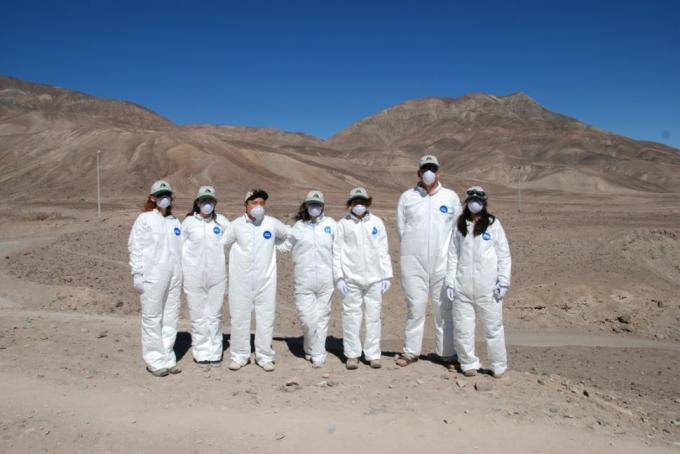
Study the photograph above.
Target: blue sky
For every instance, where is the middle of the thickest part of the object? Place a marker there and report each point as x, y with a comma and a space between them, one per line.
318, 66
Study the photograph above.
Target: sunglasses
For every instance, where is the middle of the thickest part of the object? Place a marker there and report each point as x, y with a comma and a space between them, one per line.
476, 193
430, 167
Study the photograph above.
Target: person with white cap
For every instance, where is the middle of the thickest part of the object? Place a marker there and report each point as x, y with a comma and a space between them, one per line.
155, 248
426, 214
311, 242
205, 275
477, 279
362, 270
252, 283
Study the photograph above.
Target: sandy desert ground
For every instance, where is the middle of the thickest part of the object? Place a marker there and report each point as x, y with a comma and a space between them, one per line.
593, 325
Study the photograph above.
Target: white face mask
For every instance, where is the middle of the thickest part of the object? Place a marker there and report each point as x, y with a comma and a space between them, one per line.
314, 211
359, 210
207, 209
257, 212
429, 177
163, 202
475, 207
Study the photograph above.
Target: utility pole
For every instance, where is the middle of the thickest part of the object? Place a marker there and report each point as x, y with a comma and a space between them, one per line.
519, 189
99, 193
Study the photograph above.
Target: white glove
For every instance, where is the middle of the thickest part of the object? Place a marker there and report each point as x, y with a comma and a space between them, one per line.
451, 293
385, 285
500, 292
138, 283
341, 285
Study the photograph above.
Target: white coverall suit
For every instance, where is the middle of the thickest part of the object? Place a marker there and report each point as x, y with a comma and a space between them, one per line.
205, 281
252, 285
424, 224
477, 264
155, 247
361, 257
312, 246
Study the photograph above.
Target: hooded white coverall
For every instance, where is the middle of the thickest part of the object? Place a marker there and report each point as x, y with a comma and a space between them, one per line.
252, 285
312, 246
205, 281
155, 247
424, 224
477, 264
361, 257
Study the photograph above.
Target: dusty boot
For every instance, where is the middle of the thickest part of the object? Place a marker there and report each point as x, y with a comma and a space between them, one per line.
470, 372
267, 366
157, 372
352, 363
174, 370
235, 365
498, 376
375, 364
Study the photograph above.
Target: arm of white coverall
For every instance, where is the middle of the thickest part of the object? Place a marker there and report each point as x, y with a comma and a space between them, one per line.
401, 216
136, 243
452, 259
385, 259
338, 244
503, 254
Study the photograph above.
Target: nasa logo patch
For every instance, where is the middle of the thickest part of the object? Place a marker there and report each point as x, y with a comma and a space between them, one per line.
444, 209
327, 229
217, 230
267, 234
177, 231
486, 236
374, 231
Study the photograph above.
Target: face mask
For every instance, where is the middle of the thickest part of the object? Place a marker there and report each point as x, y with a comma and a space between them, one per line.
257, 212
475, 207
429, 178
314, 211
207, 209
359, 210
163, 202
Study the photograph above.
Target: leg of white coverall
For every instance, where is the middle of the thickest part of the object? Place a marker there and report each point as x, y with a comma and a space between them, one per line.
306, 310
240, 311
491, 314
351, 321
323, 311
373, 303
152, 301
443, 319
170, 319
213, 318
416, 291
464, 334
197, 301
265, 308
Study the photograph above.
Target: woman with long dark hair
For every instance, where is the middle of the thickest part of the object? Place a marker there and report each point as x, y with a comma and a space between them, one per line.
477, 279
311, 242
205, 276
155, 247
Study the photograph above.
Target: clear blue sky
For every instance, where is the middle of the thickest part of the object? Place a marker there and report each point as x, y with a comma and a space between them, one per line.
317, 66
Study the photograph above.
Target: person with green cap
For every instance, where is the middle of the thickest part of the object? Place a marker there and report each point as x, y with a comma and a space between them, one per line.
155, 248
311, 242
362, 270
252, 283
426, 214
205, 275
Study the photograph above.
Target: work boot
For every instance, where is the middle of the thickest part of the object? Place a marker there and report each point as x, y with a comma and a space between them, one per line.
317, 364
235, 365
157, 372
352, 363
375, 364
174, 370
470, 372
267, 366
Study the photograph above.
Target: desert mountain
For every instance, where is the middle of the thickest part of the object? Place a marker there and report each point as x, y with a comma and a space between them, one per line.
49, 138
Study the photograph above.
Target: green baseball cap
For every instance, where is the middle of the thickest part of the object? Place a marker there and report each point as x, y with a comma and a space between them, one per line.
315, 197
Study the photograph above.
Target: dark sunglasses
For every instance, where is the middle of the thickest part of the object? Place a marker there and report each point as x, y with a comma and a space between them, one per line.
476, 193
430, 167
